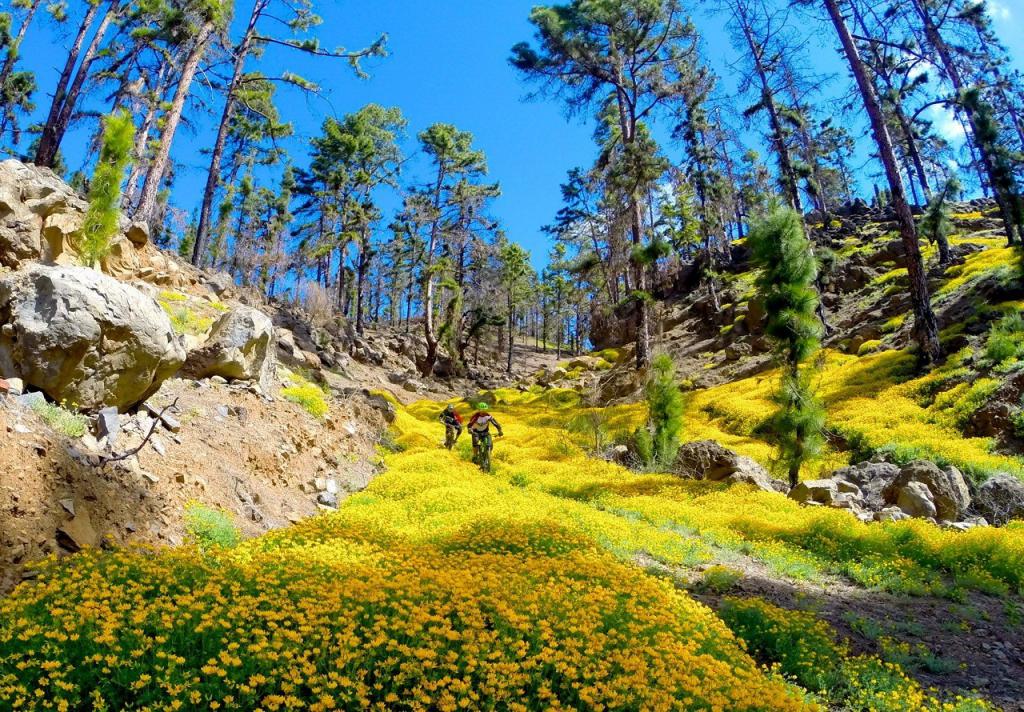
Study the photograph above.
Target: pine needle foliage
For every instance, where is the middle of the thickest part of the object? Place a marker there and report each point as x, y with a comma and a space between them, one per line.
935, 223
786, 284
105, 187
658, 443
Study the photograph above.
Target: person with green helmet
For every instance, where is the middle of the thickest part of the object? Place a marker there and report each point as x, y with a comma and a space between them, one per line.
480, 431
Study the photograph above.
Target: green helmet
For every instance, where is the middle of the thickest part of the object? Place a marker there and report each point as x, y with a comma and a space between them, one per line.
450, 408
481, 406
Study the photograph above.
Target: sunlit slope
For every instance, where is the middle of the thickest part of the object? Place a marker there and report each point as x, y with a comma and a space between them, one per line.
873, 402
438, 588
441, 587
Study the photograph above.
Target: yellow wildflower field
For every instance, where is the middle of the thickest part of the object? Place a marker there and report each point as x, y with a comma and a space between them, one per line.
444, 588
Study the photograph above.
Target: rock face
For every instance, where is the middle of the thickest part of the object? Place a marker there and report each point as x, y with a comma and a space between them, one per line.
41, 219
85, 338
708, 460
871, 478
1000, 498
916, 500
820, 491
947, 488
241, 345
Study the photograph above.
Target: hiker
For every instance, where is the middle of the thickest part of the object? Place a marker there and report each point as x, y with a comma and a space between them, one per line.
452, 425
480, 430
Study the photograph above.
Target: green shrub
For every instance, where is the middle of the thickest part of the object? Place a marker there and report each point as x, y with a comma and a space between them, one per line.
1006, 339
210, 528
719, 579
61, 419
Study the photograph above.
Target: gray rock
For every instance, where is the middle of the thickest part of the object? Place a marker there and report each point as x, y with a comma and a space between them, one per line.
891, 514
15, 386
240, 346
759, 478
327, 499
872, 478
108, 425
849, 488
915, 499
1000, 498
947, 488
819, 491
708, 460
84, 338
219, 282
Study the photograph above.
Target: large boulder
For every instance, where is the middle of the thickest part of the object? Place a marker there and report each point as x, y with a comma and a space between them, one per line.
871, 478
241, 345
915, 498
817, 491
708, 460
85, 338
947, 487
1000, 498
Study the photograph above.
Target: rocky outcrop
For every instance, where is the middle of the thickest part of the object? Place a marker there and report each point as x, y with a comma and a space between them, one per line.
708, 460
41, 220
84, 338
241, 345
871, 478
945, 486
1000, 498
882, 491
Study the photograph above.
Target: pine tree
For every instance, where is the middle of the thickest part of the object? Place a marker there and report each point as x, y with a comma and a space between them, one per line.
625, 59
105, 188
926, 328
786, 284
935, 224
658, 443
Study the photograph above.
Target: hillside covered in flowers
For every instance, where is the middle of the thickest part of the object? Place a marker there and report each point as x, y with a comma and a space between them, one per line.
555, 582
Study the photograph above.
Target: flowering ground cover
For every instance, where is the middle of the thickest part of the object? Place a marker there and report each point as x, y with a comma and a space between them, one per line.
441, 587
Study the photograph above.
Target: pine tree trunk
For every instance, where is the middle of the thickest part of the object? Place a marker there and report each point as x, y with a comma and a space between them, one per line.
952, 73
67, 111
154, 176
511, 333
46, 151
364, 263
788, 173
217, 156
427, 367
913, 151
926, 329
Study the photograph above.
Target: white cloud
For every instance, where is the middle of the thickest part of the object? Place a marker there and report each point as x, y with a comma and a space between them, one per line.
946, 124
998, 10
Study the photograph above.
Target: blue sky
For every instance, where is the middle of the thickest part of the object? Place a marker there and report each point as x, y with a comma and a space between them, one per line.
447, 62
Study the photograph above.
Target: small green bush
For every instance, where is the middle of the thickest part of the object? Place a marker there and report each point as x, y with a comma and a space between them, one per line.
719, 579
210, 528
658, 443
1006, 339
61, 419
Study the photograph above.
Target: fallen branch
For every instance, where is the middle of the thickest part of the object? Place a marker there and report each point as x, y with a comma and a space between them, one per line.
105, 459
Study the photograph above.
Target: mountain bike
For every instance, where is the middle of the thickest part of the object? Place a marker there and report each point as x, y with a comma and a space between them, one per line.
483, 445
450, 436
